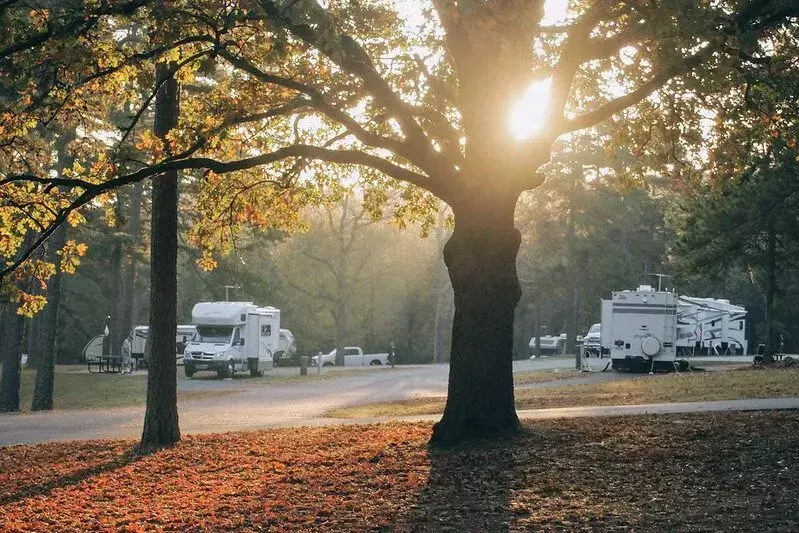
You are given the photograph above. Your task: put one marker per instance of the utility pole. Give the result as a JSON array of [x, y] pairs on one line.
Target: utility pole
[[227, 289]]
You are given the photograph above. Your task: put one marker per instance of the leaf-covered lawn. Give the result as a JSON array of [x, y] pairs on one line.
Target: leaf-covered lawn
[[708, 472], [659, 388]]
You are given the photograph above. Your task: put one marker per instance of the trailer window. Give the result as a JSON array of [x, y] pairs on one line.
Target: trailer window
[[213, 333]]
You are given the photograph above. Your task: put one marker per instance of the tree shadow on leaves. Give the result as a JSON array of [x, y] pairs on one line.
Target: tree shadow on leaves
[[469, 489], [73, 478]]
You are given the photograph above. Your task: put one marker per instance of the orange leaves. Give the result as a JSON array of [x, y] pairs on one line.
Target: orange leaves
[[300, 479]]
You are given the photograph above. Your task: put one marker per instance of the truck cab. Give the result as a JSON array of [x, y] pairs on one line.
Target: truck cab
[[232, 337]]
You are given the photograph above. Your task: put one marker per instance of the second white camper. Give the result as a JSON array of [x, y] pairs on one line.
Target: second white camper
[[232, 337]]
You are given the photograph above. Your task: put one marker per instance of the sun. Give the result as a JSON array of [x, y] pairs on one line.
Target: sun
[[528, 116]]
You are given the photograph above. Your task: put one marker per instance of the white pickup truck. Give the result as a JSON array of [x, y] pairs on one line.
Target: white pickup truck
[[353, 356]]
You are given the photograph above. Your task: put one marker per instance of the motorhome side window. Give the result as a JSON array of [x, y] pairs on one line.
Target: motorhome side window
[[266, 330], [216, 334]]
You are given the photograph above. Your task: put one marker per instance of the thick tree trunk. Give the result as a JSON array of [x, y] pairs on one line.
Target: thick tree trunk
[[11, 334], [161, 416], [481, 258], [47, 331]]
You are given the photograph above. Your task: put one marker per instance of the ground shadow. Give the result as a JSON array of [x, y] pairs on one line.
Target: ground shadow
[[133, 454], [468, 489]]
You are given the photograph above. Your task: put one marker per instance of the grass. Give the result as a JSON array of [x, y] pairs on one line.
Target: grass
[[544, 376], [80, 390], [661, 388], [700, 472], [74, 388]]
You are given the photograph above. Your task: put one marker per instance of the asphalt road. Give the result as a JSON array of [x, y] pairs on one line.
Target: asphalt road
[[252, 405]]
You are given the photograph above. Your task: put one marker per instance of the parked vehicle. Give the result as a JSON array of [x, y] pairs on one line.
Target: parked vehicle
[[138, 341], [711, 326], [591, 341], [639, 329], [551, 344], [231, 337], [286, 353], [353, 356]]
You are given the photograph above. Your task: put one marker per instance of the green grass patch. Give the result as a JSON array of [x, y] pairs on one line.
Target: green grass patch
[[74, 389], [660, 388]]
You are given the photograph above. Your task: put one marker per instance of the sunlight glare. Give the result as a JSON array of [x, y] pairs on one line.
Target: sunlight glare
[[528, 116]]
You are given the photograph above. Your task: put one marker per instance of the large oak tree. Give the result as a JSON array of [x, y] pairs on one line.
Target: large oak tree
[[307, 88]]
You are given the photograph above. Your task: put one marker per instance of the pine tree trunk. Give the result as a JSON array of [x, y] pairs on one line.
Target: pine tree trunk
[[481, 258], [771, 290], [161, 415], [48, 330], [127, 317], [11, 334]]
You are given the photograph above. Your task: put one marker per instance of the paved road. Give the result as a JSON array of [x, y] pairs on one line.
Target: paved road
[[261, 406]]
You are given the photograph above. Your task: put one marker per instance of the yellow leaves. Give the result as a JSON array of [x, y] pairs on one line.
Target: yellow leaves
[[207, 263], [70, 256], [30, 304]]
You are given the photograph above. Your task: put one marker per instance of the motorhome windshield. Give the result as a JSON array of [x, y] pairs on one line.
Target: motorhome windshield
[[213, 334]]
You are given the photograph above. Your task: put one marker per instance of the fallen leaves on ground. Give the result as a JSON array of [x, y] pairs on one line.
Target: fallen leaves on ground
[[731, 471]]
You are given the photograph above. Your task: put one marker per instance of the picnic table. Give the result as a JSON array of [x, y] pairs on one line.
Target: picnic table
[[106, 364]]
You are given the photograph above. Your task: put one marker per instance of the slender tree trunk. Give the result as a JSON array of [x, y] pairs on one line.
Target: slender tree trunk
[[571, 316], [161, 416], [127, 318], [481, 258], [538, 325], [10, 347], [48, 329], [771, 290], [117, 277], [341, 332]]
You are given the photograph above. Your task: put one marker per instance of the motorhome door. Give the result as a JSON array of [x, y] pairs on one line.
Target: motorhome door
[[252, 336]]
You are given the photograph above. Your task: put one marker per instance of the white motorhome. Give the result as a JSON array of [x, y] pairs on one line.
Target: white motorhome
[[231, 337], [712, 326], [639, 329]]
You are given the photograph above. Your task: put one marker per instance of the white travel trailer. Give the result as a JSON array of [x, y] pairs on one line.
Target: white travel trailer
[[639, 329], [231, 337], [138, 340], [711, 326]]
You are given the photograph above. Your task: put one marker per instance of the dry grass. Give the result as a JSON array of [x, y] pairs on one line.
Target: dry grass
[[660, 388], [703, 472]]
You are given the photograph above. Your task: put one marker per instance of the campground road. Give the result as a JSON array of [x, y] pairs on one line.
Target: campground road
[[262, 405]]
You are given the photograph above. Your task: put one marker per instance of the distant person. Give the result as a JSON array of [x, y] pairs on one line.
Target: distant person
[[392, 355], [126, 355]]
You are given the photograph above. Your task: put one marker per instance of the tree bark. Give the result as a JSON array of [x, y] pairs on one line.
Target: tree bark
[[771, 290], [12, 333], [481, 258], [47, 331], [161, 415]]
